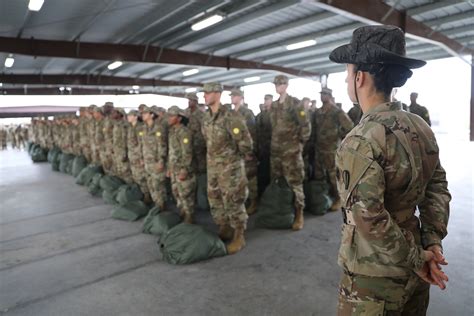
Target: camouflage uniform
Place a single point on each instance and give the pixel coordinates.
(291, 129)
(387, 166)
(330, 126)
(3, 138)
(247, 116)
(420, 111)
(135, 137)
(382, 178)
(180, 161)
(264, 137)
(154, 154)
(107, 152)
(76, 140)
(98, 153)
(196, 119)
(228, 141)
(120, 155)
(84, 137)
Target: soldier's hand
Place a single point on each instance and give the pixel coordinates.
(249, 157)
(435, 266)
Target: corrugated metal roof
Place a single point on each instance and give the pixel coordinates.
(253, 30)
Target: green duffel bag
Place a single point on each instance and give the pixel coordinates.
(85, 176)
(317, 198)
(39, 155)
(188, 243)
(276, 208)
(159, 223)
(69, 166)
(111, 183)
(56, 161)
(131, 211)
(64, 162)
(32, 149)
(128, 193)
(78, 164)
(50, 154)
(28, 146)
(94, 185)
(201, 192)
(109, 197)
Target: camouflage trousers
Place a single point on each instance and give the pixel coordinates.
(325, 168)
(290, 165)
(156, 182)
(96, 156)
(107, 162)
(139, 177)
(87, 152)
(227, 192)
(184, 191)
(251, 172)
(122, 169)
(365, 295)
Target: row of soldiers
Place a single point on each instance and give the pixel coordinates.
(239, 153)
(17, 136)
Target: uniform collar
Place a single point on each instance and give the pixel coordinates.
(221, 111)
(384, 107)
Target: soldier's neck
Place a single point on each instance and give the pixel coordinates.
(282, 97)
(215, 107)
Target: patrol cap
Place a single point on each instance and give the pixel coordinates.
(212, 87)
(305, 99)
(133, 112)
(192, 96)
(175, 110)
(280, 79)
(237, 92)
(98, 109)
(146, 109)
(121, 111)
(268, 96)
(109, 104)
(325, 90)
(92, 106)
(141, 106)
(414, 94)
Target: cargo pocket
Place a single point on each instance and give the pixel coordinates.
(366, 308)
(346, 257)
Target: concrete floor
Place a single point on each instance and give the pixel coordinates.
(61, 254)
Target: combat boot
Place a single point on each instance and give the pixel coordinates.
(299, 219)
(238, 242)
(252, 207)
(225, 232)
(336, 205)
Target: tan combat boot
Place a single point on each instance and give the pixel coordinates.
(252, 207)
(238, 242)
(225, 232)
(299, 219)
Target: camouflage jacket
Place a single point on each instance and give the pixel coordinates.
(386, 167)
(227, 137)
(264, 134)
(108, 129)
(99, 140)
(119, 137)
(196, 119)
(291, 126)
(135, 137)
(421, 111)
(76, 139)
(180, 156)
(330, 126)
(83, 132)
(355, 114)
(154, 146)
(249, 118)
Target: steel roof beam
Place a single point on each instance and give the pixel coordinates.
(131, 53)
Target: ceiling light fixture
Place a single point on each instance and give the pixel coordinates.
(252, 79)
(213, 19)
(114, 65)
(35, 5)
(301, 44)
(190, 72)
(9, 61)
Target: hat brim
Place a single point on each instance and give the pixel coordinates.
(371, 54)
